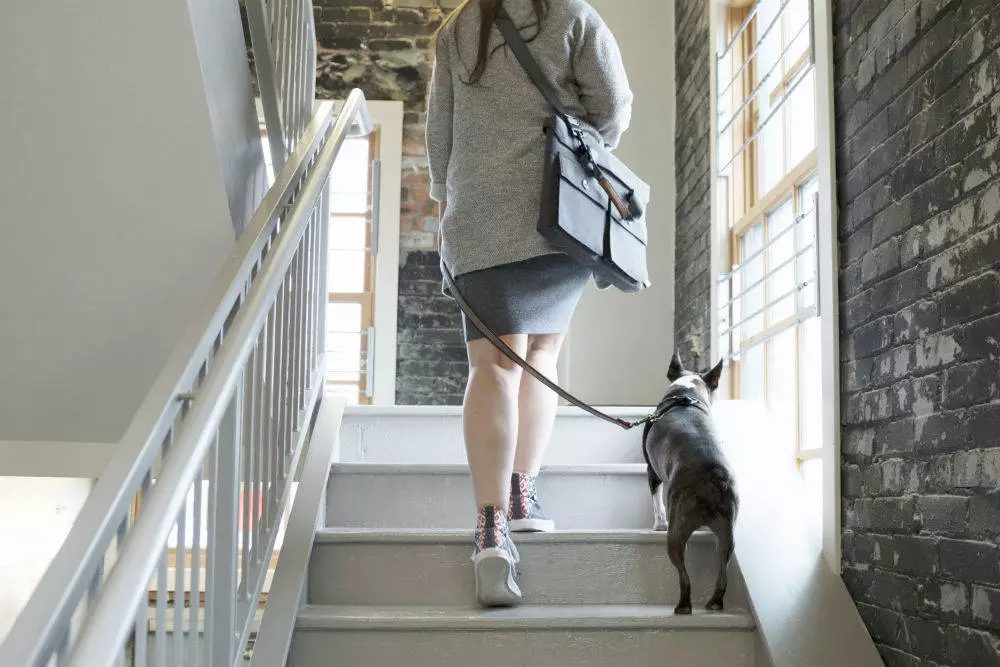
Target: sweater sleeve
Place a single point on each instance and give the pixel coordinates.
(601, 78)
(440, 113)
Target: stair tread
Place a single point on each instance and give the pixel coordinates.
(463, 469)
(335, 535)
(527, 617)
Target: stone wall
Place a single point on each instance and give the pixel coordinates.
(917, 104)
(386, 51)
(692, 326)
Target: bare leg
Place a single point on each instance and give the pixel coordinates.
(491, 419)
(537, 403)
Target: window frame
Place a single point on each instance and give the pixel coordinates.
(827, 265)
(367, 298)
(387, 116)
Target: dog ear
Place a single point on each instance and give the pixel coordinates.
(713, 376)
(676, 368)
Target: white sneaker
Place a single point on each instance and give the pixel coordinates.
(495, 559)
(495, 578)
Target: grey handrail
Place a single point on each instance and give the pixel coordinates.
(256, 269)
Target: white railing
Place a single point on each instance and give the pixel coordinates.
(223, 427)
(283, 36)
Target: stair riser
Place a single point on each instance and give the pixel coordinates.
(562, 573)
(437, 438)
(574, 501)
(541, 648)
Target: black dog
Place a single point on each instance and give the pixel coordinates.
(683, 458)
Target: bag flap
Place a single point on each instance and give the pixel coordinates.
(572, 173)
(604, 158)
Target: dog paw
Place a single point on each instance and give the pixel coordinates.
(682, 609)
(660, 527)
(714, 605)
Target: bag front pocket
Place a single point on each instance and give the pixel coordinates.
(583, 205)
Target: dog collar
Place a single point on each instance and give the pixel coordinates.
(676, 401)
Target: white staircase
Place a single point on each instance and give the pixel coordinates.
(390, 580)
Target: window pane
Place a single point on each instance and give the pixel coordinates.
(350, 171)
(770, 49)
(341, 317)
(770, 155)
(779, 219)
(807, 236)
(343, 355)
(807, 193)
(781, 281)
(796, 32)
(781, 386)
(351, 203)
(346, 271)
(341, 377)
(801, 107)
(752, 374)
(348, 232)
(811, 385)
(752, 271)
(349, 177)
(769, 143)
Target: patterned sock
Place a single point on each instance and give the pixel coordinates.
(491, 529)
(522, 495)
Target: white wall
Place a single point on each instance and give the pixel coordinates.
(218, 33)
(620, 344)
(115, 213)
(35, 517)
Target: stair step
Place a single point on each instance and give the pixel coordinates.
(554, 636)
(578, 497)
(413, 567)
(529, 617)
(431, 434)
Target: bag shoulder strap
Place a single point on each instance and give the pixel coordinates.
(530, 65)
(537, 76)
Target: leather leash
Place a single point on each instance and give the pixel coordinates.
(508, 352)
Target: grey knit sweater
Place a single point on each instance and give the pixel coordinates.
(485, 141)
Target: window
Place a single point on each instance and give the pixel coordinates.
(768, 185)
(350, 311)
(362, 260)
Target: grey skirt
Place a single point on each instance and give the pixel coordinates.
(536, 296)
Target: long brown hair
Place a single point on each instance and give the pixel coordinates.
(490, 9)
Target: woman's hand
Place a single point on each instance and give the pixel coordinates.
(441, 207)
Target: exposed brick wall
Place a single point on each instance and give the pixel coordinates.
(387, 54)
(918, 125)
(693, 214)
(432, 358)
